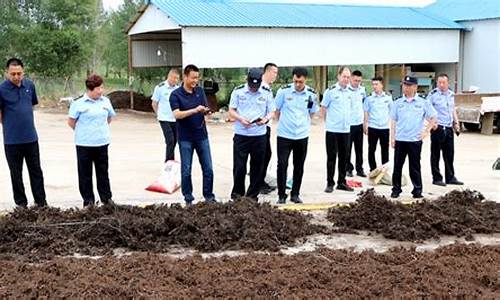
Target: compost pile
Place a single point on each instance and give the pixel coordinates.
(241, 225)
(460, 213)
(121, 100)
(455, 271)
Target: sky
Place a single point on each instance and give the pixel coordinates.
(113, 4)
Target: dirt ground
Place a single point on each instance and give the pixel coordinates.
(163, 251)
(456, 271)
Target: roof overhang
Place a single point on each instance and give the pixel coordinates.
(151, 19)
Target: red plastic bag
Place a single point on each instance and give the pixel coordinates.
(170, 179)
(353, 183)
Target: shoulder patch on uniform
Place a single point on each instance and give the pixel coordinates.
(287, 86)
(265, 88)
(239, 87)
(78, 97)
(161, 84)
(311, 90)
(433, 91)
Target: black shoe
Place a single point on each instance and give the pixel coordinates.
(88, 204)
(43, 204)
(281, 200)
(296, 199)
(349, 174)
(329, 188)
(395, 195)
(418, 196)
(345, 187)
(455, 182)
(108, 202)
(439, 182)
(211, 200)
(267, 189)
(361, 174)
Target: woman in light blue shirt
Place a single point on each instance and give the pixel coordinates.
(89, 116)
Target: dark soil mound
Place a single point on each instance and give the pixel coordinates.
(207, 227)
(121, 99)
(460, 213)
(456, 271)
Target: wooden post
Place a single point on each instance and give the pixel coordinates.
(130, 72)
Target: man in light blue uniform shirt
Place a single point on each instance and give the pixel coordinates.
(90, 116)
(442, 139)
(377, 120)
(295, 103)
(357, 115)
(336, 111)
(268, 78)
(161, 106)
(252, 108)
(408, 114)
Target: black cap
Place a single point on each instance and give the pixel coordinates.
(254, 78)
(410, 80)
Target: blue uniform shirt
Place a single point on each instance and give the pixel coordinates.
(161, 95)
(357, 113)
(338, 103)
(192, 128)
(444, 104)
(251, 106)
(295, 111)
(16, 105)
(91, 128)
(267, 87)
(378, 108)
(410, 116)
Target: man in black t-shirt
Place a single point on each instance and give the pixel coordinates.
(189, 105)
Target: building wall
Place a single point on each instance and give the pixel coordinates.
(480, 65)
(247, 47)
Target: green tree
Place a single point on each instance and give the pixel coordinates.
(54, 37)
(115, 54)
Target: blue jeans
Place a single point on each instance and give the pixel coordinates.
(202, 148)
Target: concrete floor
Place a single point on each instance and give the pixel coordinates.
(137, 151)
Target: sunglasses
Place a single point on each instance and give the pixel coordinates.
(16, 73)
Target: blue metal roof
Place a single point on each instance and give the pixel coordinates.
(465, 10)
(238, 13)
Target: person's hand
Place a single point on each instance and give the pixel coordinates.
(456, 127)
(202, 109)
(245, 122)
(435, 126)
(365, 129)
(393, 143)
(262, 121)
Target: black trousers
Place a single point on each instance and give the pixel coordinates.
(377, 136)
(356, 139)
(267, 157)
(413, 151)
(285, 148)
(169, 130)
(244, 146)
(16, 155)
(442, 139)
(87, 158)
(337, 145)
